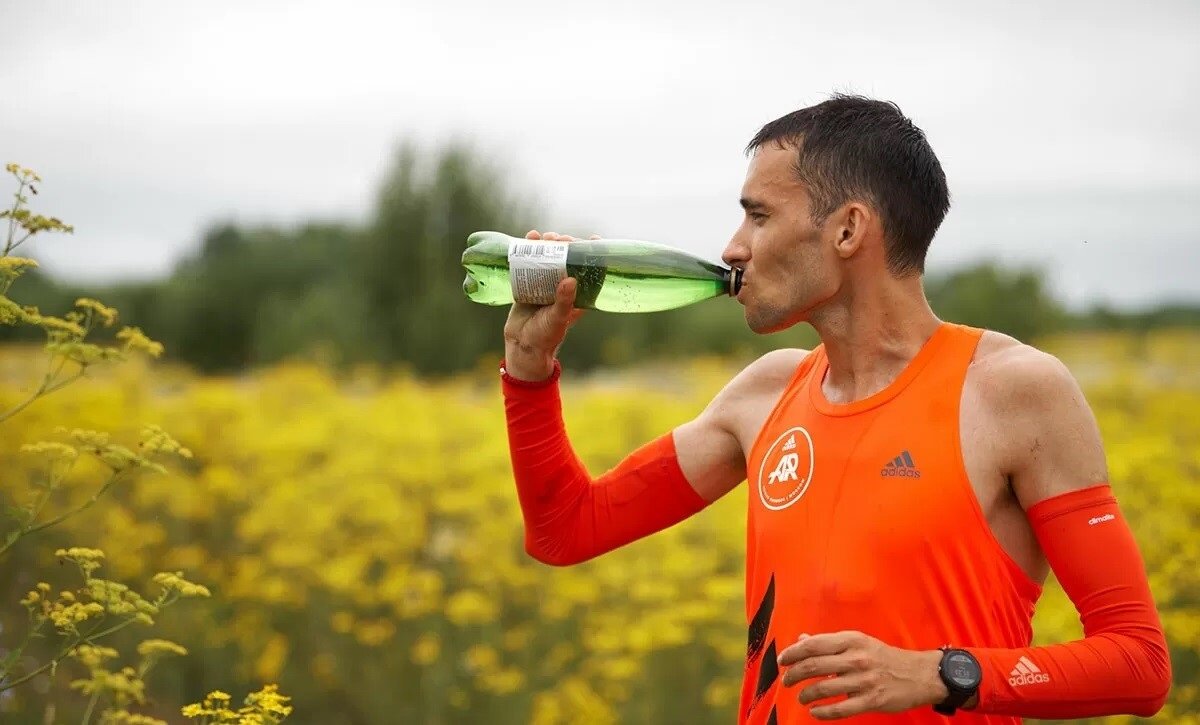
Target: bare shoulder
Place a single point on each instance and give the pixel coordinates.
(1047, 438)
(774, 367)
(768, 374)
(1013, 375)
(763, 379)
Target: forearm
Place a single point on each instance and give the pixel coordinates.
(569, 516)
(1121, 665)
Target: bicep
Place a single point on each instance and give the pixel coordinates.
(710, 455)
(1057, 443)
(710, 451)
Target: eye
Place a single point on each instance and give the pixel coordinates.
(757, 217)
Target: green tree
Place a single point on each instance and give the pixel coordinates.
(1015, 301)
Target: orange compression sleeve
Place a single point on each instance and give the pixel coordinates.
(1122, 664)
(569, 517)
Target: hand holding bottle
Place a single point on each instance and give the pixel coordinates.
(534, 333)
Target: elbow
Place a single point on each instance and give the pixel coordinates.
(551, 556)
(1157, 692)
(1156, 688)
(1150, 705)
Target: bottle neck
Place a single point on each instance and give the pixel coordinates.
(733, 281)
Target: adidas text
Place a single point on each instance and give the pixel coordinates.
(1031, 679)
(900, 472)
(1027, 673)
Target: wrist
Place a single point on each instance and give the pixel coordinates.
(931, 677)
(522, 376)
(959, 676)
(528, 367)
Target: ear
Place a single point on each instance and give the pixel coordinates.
(850, 230)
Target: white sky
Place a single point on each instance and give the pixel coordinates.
(1068, 130)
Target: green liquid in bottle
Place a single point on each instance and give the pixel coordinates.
(613, 275)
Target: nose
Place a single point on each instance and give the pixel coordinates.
(736, 253)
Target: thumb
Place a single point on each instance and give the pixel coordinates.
(564, 299)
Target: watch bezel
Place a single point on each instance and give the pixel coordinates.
(957, 694)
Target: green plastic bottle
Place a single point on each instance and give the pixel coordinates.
(613, 275)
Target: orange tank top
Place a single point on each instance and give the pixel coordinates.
(861, 517)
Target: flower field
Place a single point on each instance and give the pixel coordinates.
(361, 541)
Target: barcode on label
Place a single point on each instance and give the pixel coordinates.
(536, 250)
(535, 268)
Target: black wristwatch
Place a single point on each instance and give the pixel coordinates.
(961, 673)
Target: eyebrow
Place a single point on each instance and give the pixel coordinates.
(751, 204)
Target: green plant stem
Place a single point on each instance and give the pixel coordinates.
(44, 389)
(8, 245)
(63, 517)
(87, 714)
(20, 648)
(89, 638)
(82, 507)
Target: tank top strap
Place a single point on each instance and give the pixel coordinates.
(947, 371)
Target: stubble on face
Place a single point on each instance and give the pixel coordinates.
(786, 274)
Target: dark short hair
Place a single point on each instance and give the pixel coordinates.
(855, 148)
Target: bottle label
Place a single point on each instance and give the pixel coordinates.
(535, 269)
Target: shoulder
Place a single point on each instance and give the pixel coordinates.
(771, 371)
(1012, 377)
(1036, 417)
(765, 376)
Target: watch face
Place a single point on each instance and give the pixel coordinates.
(961, 669)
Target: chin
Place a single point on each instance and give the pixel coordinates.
(763, 322)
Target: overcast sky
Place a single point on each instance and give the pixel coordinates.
(1068, 130)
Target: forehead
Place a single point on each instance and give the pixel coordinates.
(771, 173)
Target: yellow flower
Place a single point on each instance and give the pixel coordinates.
(426, 649)
(471, 607)
(160, 646)
(52, 450)
(107, 315)
(157, 440)
(136, 340)
(176, 582)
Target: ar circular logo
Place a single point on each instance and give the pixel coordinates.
(786, 469)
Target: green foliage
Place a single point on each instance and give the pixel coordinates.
(1013, 301)
(387, 290)
(71, 624)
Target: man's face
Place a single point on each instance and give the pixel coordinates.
(790, 264)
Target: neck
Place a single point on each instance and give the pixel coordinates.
(870, 336)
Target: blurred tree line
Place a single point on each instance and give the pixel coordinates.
(388, 290)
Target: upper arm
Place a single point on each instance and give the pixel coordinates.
(710, 446)
(1053, 443)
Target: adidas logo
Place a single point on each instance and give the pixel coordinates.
(901, 466)
(1026, 673)
(791, 444)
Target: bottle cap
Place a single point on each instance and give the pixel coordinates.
(734, 279)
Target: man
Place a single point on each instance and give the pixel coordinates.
(912, 481)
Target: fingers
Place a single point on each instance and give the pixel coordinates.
(832, 687)
(551, 236)
(818, 666)
(856, 704)
(818, 644)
